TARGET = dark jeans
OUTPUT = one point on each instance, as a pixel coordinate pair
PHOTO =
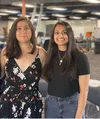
(57, 107)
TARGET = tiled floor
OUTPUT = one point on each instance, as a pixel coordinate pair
(93, 111)
(94, 60)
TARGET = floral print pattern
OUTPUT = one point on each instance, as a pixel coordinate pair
(21, 97)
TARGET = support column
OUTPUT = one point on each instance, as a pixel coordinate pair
(23, 8)
(39, 18)
(33, 13)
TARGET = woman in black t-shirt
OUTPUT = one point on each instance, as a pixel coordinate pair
(67, 72)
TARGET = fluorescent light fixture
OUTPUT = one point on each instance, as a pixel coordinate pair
(25, 15)
(75, 17)
(13, 18)
(56, 8)
(92, 18)
(79, 11)
(95, 13)
(58, 15)
(9, 11)
(20, 4)
(44, 17)
(3, 14)
(29, 6)
(90, 1)
(37, 14)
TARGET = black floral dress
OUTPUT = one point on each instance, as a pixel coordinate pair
(21, 97)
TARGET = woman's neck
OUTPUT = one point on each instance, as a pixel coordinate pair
(26, 47)
(62, 48)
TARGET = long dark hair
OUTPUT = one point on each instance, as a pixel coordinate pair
(13, 49)
(69, 65)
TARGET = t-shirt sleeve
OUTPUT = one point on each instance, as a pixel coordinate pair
(83, 67)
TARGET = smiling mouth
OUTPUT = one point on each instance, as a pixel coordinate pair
(60, 39)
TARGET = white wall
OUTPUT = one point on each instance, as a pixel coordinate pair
(78, 26)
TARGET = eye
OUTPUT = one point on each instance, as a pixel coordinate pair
(26, 28)
(19, 29)
(64, 32)
(56, 33)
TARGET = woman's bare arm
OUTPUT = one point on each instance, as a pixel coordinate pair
(84, 85)
(3, 60)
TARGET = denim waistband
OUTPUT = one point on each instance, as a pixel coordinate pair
(62, 99)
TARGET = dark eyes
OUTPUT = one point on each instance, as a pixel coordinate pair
(56, 33)
(18, 28)
(63, 33)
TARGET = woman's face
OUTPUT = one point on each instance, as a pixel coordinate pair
(60, 36)
(23, 32)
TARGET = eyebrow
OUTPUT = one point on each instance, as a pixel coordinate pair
(62, 30)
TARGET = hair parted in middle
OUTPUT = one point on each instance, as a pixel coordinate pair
(69, 65)
(13, 49)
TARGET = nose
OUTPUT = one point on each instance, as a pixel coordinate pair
(60, 35)
(23, 30)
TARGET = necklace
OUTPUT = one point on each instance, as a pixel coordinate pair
(61, 58)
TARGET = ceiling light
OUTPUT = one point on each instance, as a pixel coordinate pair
(3, 14)
(29, 6)
(13, 18)
(90, 1)
(9, 11)
(58, 15)
(75, 17)
(92, 18)
(37, 14)
(44, 17)
(20, 4)
(25, 15)
(79, 11)
(95, 13)
(56, 8)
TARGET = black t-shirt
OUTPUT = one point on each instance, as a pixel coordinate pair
(62, 85)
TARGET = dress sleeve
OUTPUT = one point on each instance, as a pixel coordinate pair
(83, 67)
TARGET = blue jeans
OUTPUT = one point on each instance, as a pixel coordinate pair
(57, 107)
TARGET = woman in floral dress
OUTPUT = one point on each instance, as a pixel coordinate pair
(22, 62)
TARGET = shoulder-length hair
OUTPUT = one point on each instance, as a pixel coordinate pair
(13, 49)
(69, 65)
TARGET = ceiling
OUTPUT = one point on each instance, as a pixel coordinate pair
(69, 5)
